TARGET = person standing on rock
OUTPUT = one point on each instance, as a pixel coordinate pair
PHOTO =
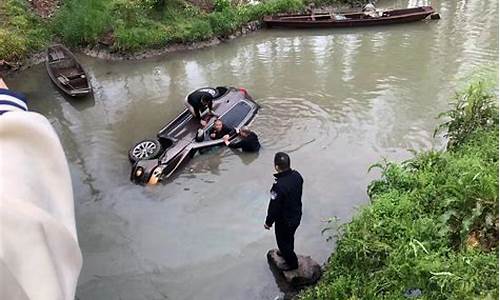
(285, 208)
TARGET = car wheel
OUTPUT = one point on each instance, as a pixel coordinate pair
(146, 149)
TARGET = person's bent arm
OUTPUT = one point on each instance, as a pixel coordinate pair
(210, 106)
(226, 140)
(197, 114)
(232, 144)
(213, 133)
(236, 145)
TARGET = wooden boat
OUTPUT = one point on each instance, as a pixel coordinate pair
(331, 20)
(66, 72)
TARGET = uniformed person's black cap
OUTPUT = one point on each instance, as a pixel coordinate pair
(282, 160)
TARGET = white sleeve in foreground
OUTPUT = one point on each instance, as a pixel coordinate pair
(39, 253)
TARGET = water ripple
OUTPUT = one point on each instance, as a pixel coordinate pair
(292, 123)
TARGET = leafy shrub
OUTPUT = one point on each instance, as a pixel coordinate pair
(474, 107)
(130, 11)
(80, 22)
(221, 5)
(153, 4)
(191, 11)
(249, 13)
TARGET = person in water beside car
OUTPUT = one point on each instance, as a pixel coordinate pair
(219, 130)
(249, 142)
(199, 100)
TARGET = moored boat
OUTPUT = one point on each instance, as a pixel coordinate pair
(66, 72)
(332, 20)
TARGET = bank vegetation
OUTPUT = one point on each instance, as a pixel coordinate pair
(131, 25)
(431, 229)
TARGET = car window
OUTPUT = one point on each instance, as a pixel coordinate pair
(234, 116)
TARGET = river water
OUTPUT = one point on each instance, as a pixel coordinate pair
(335, 100)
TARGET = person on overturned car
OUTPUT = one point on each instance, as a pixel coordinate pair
(199, 100)
(249, 141)
(285, 208)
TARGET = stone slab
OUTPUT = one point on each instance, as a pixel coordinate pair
(308, 273)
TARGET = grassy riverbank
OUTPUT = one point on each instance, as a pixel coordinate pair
(432, 223)
(21, 31)
(131, 25)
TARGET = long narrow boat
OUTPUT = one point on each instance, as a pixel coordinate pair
(330, 20)
(66, 72)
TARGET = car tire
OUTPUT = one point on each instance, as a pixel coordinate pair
(145, 149)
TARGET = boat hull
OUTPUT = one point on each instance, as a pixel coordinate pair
(352, 20)
(66, 72)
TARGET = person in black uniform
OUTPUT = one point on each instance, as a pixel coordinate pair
(219, 130)
(285, 208)
(249, 142)
(198, 101)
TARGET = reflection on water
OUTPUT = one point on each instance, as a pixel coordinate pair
(337, 100)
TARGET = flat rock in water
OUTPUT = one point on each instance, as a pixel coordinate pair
(308, 273)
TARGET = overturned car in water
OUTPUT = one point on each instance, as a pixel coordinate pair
(157, 159)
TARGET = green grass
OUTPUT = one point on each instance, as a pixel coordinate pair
(179, 22)
(82, 22)
(136, 24)
(433, 220)
(21, 32)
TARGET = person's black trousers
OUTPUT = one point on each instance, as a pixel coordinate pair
(285, 239)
